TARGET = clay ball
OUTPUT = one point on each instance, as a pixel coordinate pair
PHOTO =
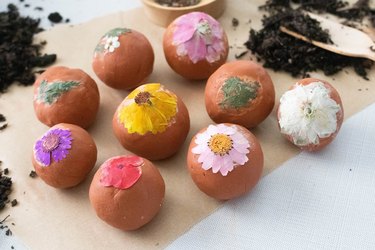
(64, 95)
(225, 160)
(151, 122)
(127, 192)
(195, 45)
(123, 58)
(240, 92)
(310, 114)
(64, 155)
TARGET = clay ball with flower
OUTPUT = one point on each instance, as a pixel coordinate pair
(64, 155)
(310, 114)
(225, 160)
(152, 122)
(123, 58)
(195, 45)
(127, 191)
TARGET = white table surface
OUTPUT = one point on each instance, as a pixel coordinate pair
(323, 200)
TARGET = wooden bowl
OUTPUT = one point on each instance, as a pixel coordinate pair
(163, 15)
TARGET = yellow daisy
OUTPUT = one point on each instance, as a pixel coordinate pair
(148, 108)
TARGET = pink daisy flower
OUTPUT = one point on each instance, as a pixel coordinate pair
(199, 36)
(221, 148)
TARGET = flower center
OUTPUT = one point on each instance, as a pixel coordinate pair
(204, 27)
(142, 98)
(220, 144)
(51, 143)
(308, 111)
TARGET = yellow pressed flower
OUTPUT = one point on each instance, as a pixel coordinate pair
(148, 108)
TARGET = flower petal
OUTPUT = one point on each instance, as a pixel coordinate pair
(217, 164)
(43, 158)
(207, 163)
(226, 165)
(200, 148)
(206, 156)
(237, 157)
(203, 137)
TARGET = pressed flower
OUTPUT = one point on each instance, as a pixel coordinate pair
(53, 146)
(199, 36)
(149, 108)
(307, 113)
(221, 148)
(121, 172)
(111, 43)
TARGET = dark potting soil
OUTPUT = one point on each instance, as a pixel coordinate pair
(18, 54)
(4, 227)
(280, 51)
(3, 124)
(33, 174)
(5, 189)
(55, 17)
(177, 3)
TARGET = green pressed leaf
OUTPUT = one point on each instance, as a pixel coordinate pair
(117, 31)
(238, 93)
(99, 48)
(49, 93)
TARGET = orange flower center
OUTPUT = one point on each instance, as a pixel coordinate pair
(220, 144)
(142, 98)
(51, 142)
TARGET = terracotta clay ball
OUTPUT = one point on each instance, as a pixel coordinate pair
(225, 160)
(195, 45)
(65, 95)
(127, 192)
(151, 122)
(123, 58)
(310, 114)
(240, 92)
(64, 155)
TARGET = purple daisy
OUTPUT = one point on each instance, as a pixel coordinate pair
(54, 144)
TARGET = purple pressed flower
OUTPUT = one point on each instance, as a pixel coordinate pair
(54, 145)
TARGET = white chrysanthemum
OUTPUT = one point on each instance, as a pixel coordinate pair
(111, 43)
(307, 113)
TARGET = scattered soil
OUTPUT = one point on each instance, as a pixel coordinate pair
(4, 227)
(55, 17)
(33, 174)
(282, 52)
(18, 54)
(5, 189)
(3, 123)
(235, 22)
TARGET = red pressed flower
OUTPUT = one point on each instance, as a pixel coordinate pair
(121, 172)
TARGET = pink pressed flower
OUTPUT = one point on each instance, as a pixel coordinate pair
(221, 148)
(199, 36)
(121, 172)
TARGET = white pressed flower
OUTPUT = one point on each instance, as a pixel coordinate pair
(308, 113)
(111, 43)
